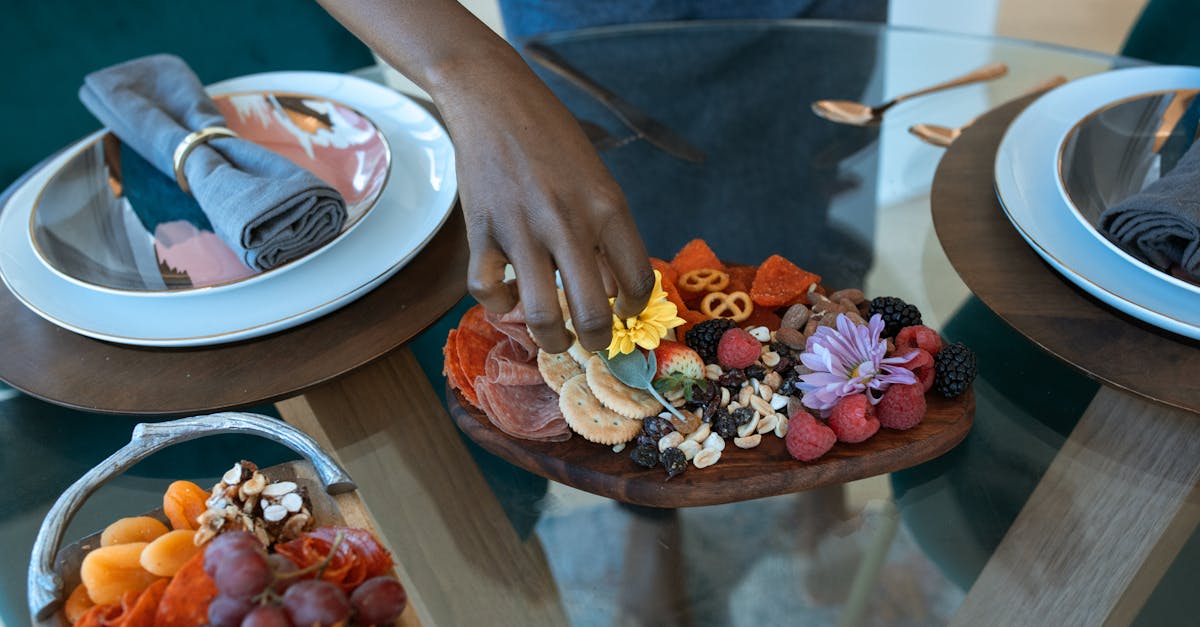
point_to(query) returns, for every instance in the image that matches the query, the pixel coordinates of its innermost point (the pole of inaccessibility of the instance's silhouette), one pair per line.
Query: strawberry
(675, 358)
(679, 367)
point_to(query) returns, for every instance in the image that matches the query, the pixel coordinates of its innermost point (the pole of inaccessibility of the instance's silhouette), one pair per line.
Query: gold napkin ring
(190, 143)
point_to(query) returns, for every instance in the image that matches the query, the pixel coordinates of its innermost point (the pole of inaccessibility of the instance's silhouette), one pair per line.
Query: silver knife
(645, 126)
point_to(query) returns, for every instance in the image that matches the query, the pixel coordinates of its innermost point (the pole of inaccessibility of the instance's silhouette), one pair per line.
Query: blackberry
(954, 368)
(743, 415)
(755, 371)
(710, 410)
(704, 337)
(673, 460)
(645, 455)
(725, 425)
(896, 314)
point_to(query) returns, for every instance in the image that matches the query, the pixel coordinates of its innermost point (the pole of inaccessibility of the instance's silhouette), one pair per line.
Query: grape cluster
(257, 589)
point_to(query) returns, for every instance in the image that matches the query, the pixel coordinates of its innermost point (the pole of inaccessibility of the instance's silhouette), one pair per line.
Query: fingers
(485, 278)
(539, 294)
(630, 265)
(582, 281)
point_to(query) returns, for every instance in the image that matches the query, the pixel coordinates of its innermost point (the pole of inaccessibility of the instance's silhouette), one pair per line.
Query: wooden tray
(333, 495)
(740, 475)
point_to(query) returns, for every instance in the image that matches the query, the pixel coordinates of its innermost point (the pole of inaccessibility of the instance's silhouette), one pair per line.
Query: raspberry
(853, 419)
(807, 438)
(918, 336)
(902, 406)
(921, 365)
(738, 349)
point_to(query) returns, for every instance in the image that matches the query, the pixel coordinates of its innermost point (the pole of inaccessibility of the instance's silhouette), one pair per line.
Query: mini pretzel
(704, 280)
(736, 306)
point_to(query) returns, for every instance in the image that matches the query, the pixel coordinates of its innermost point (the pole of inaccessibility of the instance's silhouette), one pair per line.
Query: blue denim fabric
(525, 18)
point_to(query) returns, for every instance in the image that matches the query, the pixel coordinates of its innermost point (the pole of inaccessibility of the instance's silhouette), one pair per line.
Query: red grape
(315, 602)
(266, 616)
(228, 547)
(226, 611)
(243, 576)
(281, 565)
(378, 601)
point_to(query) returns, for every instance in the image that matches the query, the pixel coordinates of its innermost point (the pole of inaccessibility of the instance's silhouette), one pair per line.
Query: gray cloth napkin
(268, 209)
(1162, 222)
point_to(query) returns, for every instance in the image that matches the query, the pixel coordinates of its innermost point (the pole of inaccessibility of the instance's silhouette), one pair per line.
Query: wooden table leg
(1102, 526)
(463, 562)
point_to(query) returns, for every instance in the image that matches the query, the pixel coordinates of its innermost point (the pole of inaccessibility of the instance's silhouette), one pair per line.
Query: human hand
(536, 195)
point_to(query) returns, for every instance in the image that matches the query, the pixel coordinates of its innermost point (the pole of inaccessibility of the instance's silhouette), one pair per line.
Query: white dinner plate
(418, 198)
(1033, 196)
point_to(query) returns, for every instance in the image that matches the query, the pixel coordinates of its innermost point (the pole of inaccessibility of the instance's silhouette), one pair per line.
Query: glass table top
(849, 203)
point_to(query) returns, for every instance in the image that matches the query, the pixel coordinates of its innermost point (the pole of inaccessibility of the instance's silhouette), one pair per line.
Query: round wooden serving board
(740, 475)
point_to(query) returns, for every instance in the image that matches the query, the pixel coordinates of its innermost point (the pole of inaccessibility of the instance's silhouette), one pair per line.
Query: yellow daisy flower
(648, 328)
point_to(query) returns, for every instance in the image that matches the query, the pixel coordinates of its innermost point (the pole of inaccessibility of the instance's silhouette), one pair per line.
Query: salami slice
(529, 412)
(512, 324)
(452, 368)
(506, 365)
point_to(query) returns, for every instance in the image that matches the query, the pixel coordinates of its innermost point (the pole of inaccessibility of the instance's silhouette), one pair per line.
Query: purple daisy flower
(850, 360)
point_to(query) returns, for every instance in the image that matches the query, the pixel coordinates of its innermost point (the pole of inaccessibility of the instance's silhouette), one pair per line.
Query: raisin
(645, 455)
(656, 427)
(743, 415)
(674, 461)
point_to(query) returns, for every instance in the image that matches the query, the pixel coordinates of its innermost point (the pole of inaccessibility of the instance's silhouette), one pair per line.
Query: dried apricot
(183, 502)
(110, 571)
(132, 529)
(696, 255)
(78, 603)
(169, 552)
(780, 282)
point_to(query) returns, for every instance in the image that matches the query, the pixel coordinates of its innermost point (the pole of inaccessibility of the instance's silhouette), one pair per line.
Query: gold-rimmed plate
(109, 221)
(1035, 199)
(1118, 150)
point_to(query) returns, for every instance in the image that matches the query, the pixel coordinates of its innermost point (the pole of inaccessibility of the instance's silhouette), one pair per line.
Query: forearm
(437, 44)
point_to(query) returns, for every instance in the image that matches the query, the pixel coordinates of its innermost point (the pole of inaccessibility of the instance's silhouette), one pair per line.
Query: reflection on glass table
(485, 542)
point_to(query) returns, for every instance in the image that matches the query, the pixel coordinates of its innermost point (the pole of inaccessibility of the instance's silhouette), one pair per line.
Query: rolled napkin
(266, 208)
(1162, 222)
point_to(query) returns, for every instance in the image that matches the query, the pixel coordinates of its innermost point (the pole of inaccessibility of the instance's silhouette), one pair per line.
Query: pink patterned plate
(89, 226)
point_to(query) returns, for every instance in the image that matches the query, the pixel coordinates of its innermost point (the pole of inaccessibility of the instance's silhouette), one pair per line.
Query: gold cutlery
(859, 114)
(943, 136)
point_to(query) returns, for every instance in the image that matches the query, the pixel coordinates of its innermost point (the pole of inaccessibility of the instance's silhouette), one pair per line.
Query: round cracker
(617, 396)
(592, 420)
(557, 368)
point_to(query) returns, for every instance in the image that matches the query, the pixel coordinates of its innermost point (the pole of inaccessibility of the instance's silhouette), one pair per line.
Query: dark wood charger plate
(57, 365)
(740, 475)
(1012, 280)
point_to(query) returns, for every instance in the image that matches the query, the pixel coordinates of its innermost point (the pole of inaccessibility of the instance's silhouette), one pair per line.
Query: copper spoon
(943, 136)
(859, 114)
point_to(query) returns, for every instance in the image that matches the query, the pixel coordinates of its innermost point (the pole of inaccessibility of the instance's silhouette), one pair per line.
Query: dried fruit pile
(764, 350)
(244, 553)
